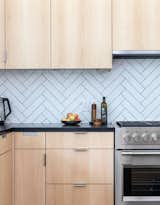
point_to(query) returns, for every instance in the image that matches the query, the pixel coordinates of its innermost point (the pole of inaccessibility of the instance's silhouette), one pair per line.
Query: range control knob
(154, 137)
(126, 137)
(146, 137)
(136, 137)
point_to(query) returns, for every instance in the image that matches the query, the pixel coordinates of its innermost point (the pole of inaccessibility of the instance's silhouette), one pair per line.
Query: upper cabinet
(2, 31)
(27, 33)
(136, 25)
(81, 34)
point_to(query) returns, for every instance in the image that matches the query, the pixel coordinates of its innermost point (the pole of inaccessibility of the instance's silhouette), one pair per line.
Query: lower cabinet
(6, 178)
(72, 165)
(29, 177)
(79, 195)
(80, 174)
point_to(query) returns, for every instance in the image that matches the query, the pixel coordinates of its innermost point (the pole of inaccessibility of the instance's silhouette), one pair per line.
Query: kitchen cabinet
(79, 168)
(136, 25)
(81, 34)
(6, 169)
(6, 178)
(79, 195)
(30, 140)
(27, 34)
(2, 34)
(79, 139)
(29, 168)
(5, 143)
(71, 166)
(29, 177)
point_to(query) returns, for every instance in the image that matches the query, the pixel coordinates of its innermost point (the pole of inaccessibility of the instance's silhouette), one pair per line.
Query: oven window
(141, 181)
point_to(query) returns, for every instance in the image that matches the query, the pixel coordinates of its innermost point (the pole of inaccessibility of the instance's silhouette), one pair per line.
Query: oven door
(138, 176)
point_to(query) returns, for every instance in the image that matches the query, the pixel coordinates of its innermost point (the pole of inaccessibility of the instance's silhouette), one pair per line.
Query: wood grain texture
(27, 140)
(76, 140)
(2, 33)
(5, 143)
(29, 177)
(6, 179)
(136, 25)
(28, 34)
(89, 195)
(70, 166)
(81, 34)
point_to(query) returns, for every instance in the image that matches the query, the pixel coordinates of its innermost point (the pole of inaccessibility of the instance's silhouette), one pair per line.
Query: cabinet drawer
(72, 166)
(79, 195)
(5, 143)
(79, 139)
(24, 140)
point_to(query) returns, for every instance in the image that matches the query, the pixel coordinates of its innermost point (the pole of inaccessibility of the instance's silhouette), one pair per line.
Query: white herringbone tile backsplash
(132, 90)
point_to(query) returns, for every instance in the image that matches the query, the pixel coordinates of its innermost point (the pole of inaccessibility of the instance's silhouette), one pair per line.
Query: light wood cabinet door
(74, 166)
(81, 34)
(74, 195)
(62, 140)
(6, 178)
(136, 25)
(29, 140)
(2, 33)
(29, 177)
(5, 143)
(28, 33)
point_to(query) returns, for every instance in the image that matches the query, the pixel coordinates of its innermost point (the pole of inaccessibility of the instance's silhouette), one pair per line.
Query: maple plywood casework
(71, 166)
(2, 34)
(6, 178)
(76, 195)
(81, 34)
(29, 177)
(79, 168)
(29, 140)
(136, 25)
(27, 33)
(79, 139)
(6, 168)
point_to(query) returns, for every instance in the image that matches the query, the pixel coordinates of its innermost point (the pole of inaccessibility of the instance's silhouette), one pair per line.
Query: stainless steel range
(137, 164)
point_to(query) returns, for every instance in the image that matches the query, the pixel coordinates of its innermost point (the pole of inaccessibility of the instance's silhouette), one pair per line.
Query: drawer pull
(3, 136)
(79, 184)
(30, 134)
(81, 149)
(80, 133)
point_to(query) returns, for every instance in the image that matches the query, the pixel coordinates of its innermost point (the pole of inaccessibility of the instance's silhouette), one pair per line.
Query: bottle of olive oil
(104, 111)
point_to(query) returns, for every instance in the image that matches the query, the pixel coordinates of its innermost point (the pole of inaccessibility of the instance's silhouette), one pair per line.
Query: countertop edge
(56, 129)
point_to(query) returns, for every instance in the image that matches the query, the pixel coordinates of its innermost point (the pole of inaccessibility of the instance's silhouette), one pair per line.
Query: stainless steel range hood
(136, 53)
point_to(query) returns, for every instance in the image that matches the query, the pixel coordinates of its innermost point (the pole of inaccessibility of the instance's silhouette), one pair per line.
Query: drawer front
(74, 166)
(79, 139)
(27, 140)
(79, 195)
(5, 143)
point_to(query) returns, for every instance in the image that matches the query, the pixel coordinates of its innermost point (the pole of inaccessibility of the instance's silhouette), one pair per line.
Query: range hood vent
(138, 53)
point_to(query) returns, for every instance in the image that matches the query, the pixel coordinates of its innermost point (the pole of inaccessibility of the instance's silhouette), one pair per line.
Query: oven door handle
(141, 198)
(141, 153)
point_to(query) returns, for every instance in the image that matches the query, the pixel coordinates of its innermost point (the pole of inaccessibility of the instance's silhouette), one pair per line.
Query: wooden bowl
(97, 122)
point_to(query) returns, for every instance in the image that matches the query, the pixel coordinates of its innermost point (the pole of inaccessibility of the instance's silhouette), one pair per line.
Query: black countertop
(52, 127)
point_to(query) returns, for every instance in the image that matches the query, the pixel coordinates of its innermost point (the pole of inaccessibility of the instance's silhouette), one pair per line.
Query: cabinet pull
(3, 136)
(80, 133)
(79, 184)
(44, 160)
(81, 149)
(30, 134)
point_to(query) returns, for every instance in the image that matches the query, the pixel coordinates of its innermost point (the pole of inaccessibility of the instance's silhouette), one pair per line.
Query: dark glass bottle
(104, 111)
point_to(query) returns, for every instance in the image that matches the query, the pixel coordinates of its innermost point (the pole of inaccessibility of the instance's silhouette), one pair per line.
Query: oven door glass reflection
(141, 181)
